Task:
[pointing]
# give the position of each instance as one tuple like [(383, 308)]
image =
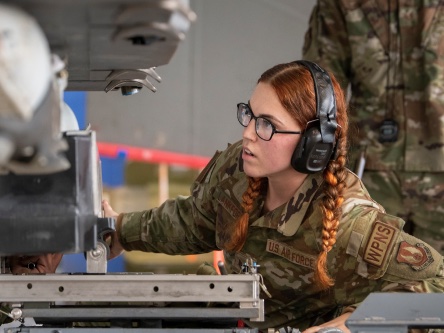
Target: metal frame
[(102, 297), (397, 312)]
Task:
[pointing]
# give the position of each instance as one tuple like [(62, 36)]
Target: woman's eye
[(267, 124)]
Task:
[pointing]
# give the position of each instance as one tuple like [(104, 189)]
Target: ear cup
[(311, 154), (317, 144)]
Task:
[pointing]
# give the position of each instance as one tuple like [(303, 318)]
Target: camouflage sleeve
[(184, 225), (4, 319), (415, 266), (380, 257), (326, 40)]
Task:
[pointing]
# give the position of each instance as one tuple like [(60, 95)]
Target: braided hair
[(237, 236), (294, 87)]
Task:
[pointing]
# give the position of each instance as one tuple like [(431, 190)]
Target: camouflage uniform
[(371, 253), (4, 319), (391, 55)]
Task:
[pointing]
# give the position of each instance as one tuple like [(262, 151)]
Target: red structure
[(138, 154)]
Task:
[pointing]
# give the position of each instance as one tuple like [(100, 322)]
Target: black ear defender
[(317, 144)]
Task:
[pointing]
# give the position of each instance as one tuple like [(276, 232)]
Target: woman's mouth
[(248, 152)]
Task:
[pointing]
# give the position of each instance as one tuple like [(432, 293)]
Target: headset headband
[(325, 100)]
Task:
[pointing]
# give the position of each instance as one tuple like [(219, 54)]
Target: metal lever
[(97, 259)]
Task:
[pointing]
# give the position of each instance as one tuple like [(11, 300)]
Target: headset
[(317, 144)]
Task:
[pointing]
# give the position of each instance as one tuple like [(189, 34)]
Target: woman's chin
[(251, 172)]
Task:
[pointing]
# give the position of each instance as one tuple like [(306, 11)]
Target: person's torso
[(285, 243), (371, 252), (397, 72)]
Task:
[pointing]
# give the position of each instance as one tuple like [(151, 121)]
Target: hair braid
[(334, 176), (238, 234)]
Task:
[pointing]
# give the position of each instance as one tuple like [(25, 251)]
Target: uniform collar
[(294, 211)]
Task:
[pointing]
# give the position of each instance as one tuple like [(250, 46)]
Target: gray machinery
[(397, 313), (50, 193), (50, 176), (132, 302), (50, 181)]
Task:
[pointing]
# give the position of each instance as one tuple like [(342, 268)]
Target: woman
[(283, 198)]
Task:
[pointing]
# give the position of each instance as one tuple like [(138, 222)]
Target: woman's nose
[(250, 131)]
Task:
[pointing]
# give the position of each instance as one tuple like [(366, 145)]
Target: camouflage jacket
[(393, 61), (3, 317), (371, 253)]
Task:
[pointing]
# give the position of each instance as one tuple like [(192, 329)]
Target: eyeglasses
[(264, 128)]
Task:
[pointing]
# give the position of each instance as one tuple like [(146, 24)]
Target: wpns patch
[(379, 244), (417, 256)]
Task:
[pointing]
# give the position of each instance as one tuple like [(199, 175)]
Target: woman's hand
[(115, 248), (338, 322), (38, 264), (109, 211)]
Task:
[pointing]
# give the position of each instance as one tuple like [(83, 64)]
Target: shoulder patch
[(380, 243), (415, 259), (417, 256)]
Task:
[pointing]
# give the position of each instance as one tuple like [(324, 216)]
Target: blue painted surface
[(113, 170), (77, 102)]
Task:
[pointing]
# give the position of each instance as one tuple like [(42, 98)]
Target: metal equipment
[(397, 312), (50, 182), (110, 44), (50, 179), (133, 302), (56, 212)]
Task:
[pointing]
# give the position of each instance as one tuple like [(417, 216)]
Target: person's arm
[(171, 228), (4, 311), (326, 40), (374, 253), (184, 225)]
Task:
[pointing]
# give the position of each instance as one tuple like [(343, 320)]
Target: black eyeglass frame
[(273, 128)]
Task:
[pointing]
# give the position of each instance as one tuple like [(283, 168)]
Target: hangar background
[(226, 49), (193, 111)]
